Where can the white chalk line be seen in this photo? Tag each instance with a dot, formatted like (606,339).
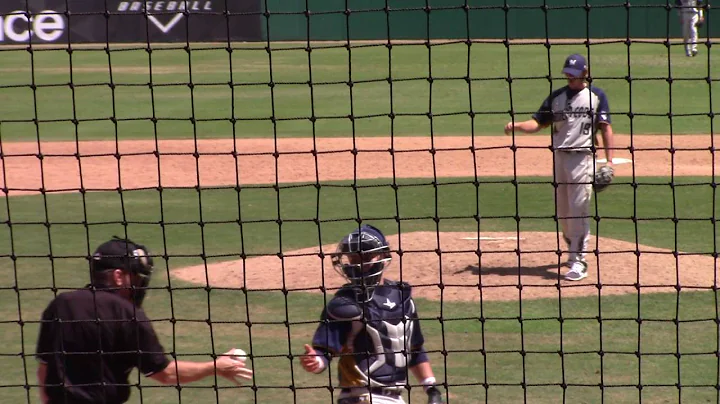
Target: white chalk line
(491,238)
(616,160)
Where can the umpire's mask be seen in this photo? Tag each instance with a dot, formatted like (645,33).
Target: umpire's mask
(128,256)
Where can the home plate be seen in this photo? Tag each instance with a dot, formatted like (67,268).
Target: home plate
(491,238)
(616,160)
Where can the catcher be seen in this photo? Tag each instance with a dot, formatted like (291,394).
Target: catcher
(372,325)
(575,112)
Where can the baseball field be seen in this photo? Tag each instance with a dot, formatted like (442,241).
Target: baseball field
(238,169)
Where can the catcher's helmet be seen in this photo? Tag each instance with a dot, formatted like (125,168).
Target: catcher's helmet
(361,258)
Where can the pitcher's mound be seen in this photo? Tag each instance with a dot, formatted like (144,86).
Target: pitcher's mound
(498,266)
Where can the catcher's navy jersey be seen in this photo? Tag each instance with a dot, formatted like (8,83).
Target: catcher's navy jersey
(574,115)
(376,341)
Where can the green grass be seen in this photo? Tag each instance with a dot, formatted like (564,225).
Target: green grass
(212,102)
(501,336)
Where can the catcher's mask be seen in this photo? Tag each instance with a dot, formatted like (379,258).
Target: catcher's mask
(361,258)
(130,257)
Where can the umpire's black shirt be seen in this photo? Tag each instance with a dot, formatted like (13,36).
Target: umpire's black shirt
(90,341)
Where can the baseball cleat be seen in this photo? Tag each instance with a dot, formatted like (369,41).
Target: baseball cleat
(694,53)
(578,271)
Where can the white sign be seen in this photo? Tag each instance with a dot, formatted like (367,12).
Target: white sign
(164,7)
(45,26)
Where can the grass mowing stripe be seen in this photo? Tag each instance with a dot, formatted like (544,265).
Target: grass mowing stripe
(371,90)
(456,209)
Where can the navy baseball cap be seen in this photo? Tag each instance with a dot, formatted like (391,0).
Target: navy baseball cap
(575,65)
(122,254)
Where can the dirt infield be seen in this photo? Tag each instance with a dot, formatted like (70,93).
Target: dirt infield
(138,162)
(499,269)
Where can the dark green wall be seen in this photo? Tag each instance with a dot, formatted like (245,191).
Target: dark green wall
(484,19)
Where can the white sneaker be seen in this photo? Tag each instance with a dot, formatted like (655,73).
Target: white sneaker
(577,272)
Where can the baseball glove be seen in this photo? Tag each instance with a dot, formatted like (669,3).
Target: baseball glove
(603,177)
(700,23)
(434,396)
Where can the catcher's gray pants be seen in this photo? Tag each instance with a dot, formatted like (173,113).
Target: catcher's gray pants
(574,175)
(362,397)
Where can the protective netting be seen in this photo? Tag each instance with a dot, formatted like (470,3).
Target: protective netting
(242,158)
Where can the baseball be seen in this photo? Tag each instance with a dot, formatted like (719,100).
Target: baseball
(238,354)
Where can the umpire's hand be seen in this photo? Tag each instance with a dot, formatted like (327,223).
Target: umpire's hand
(232,369)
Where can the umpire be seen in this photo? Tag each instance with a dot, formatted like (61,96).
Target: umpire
(91,339)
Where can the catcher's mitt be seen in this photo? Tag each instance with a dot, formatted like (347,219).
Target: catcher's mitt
(434,396)
(603,177)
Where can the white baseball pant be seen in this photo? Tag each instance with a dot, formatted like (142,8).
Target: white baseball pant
(688,19)
(574,175)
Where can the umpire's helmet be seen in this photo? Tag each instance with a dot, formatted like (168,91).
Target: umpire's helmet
(361,258)
(128,256)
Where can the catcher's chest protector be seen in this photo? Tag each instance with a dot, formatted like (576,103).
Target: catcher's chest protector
(379,341)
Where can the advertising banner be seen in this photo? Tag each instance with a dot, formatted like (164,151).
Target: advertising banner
(101,21)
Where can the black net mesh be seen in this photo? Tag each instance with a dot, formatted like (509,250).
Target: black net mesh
(240,141)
